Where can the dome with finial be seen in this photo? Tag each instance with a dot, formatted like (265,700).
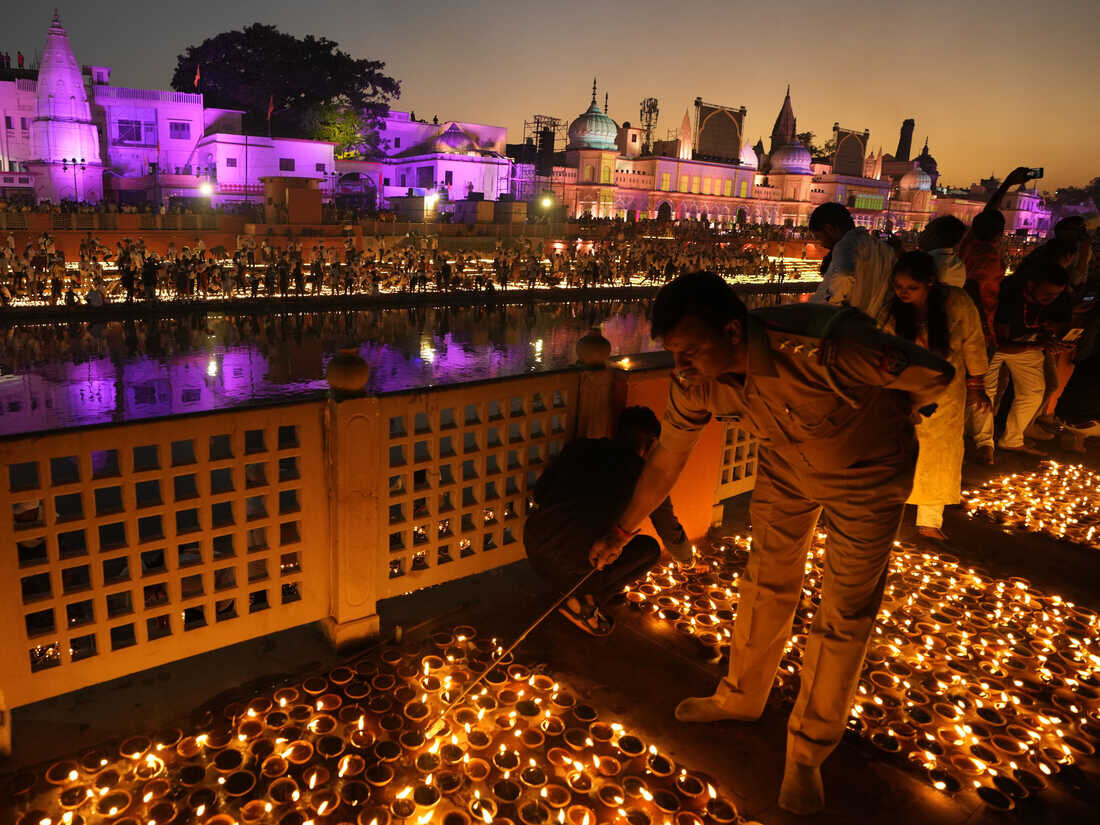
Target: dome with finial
(593,129)
(928,163)
(792,159)
(915,179)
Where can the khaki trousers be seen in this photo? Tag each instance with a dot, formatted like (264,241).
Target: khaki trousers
(1028,386)
(861,507)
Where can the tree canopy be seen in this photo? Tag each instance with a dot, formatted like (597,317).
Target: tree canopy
(825,152)
(315,89)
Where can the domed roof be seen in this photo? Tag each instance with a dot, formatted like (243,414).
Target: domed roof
(915,178)
(927,162)
(592,130)
(454,140)
(792,158)
(748,157)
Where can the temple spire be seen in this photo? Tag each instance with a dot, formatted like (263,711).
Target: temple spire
(593,91)
(605,103)
(785,127)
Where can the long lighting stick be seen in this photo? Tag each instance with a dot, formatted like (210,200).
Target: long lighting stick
(438,724)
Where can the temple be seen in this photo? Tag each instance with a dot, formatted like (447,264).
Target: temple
(69,135)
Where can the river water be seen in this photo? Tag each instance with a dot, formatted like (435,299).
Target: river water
(55,377)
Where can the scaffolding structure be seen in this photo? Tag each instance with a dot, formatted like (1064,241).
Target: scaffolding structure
(548,135)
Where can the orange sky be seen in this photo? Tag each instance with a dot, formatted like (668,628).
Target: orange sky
(992,85)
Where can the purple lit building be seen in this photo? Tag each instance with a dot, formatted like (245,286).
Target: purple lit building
(69,135)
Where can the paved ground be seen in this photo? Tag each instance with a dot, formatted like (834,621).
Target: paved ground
(638,674)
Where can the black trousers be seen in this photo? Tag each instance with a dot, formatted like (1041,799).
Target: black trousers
(638,556)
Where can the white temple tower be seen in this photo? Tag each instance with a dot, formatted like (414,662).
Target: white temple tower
(65,155)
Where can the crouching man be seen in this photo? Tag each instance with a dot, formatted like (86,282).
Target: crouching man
(579,498)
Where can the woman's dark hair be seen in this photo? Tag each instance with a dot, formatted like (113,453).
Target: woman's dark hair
(703,295)
(831,214)
(920,266)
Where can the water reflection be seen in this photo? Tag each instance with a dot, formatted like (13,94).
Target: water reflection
(68,375)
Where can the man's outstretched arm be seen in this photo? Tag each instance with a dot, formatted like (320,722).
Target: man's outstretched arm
(662,468)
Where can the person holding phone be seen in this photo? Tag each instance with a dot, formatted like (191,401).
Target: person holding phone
(1033,314)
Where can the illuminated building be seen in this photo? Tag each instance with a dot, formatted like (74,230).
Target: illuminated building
(69,135)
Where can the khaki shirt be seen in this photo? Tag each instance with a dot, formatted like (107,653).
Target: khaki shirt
(823,386)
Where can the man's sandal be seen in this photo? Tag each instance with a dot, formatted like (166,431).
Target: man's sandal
(589,619)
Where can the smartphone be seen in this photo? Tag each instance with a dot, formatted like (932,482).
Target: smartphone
(1072,335)
(1034,172)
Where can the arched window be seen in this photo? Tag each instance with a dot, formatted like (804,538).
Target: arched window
(605,175)
(589,173)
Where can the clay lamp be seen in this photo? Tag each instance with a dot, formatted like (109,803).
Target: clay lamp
(298,752)
(611,795)
(322,724)
(451,753)
(239,783)
(532,739)
(426,797)
(601,732)
(996,799)
(383,682)
(416,712)
(448,781)
(402,808)
(380,704)
(253,812)
(356,690)
(608,766)
(373,816)
(576,739)
(379,775)
(283,791)
(315,685)
(74,796)
(330,746)
(563,701)
(354,793)
(300,714)
(218,739)
(527,707)
(61,772)
(691,789)
(135,747)
(555,795)
(635,816)
(534,813)
(943,780)
(456,817)
(687,818)
(1033,782)
(533,776)
(228,760)
(552,726)
(191,776)
(276,719)
(315,776)
(579,782)
(476,770)
(411,740)
(630,746)
(391,723)
(323,801)
(482,809)
(506,791)
(507,696)
(659,765)
(666,801)
(496,677)
(428,762)
(721,811)
(585,714)
(292,817)
(361,738)
(387,750)
(580,815)
(505,760)
(274,766)
(350,765)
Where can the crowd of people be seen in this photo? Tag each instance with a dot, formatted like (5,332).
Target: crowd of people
(1021,335)
(130,272)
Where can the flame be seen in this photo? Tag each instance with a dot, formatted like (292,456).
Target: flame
(710,790)
(405,792)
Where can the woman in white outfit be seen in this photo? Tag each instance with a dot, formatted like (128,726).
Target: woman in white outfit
(943,319)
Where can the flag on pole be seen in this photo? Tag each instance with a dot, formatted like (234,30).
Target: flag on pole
(198,71)
(270,107)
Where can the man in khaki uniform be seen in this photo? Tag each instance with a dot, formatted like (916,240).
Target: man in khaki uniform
(831,399)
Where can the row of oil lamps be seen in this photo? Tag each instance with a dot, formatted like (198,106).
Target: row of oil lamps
(977,682)
(1061,500)
(349,748)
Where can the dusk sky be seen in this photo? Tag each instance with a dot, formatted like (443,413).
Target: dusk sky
(992,83)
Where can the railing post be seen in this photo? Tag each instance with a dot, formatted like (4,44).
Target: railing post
(355,477)
(595,402)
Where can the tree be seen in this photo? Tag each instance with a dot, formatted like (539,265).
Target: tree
(817,152)
(314,88)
